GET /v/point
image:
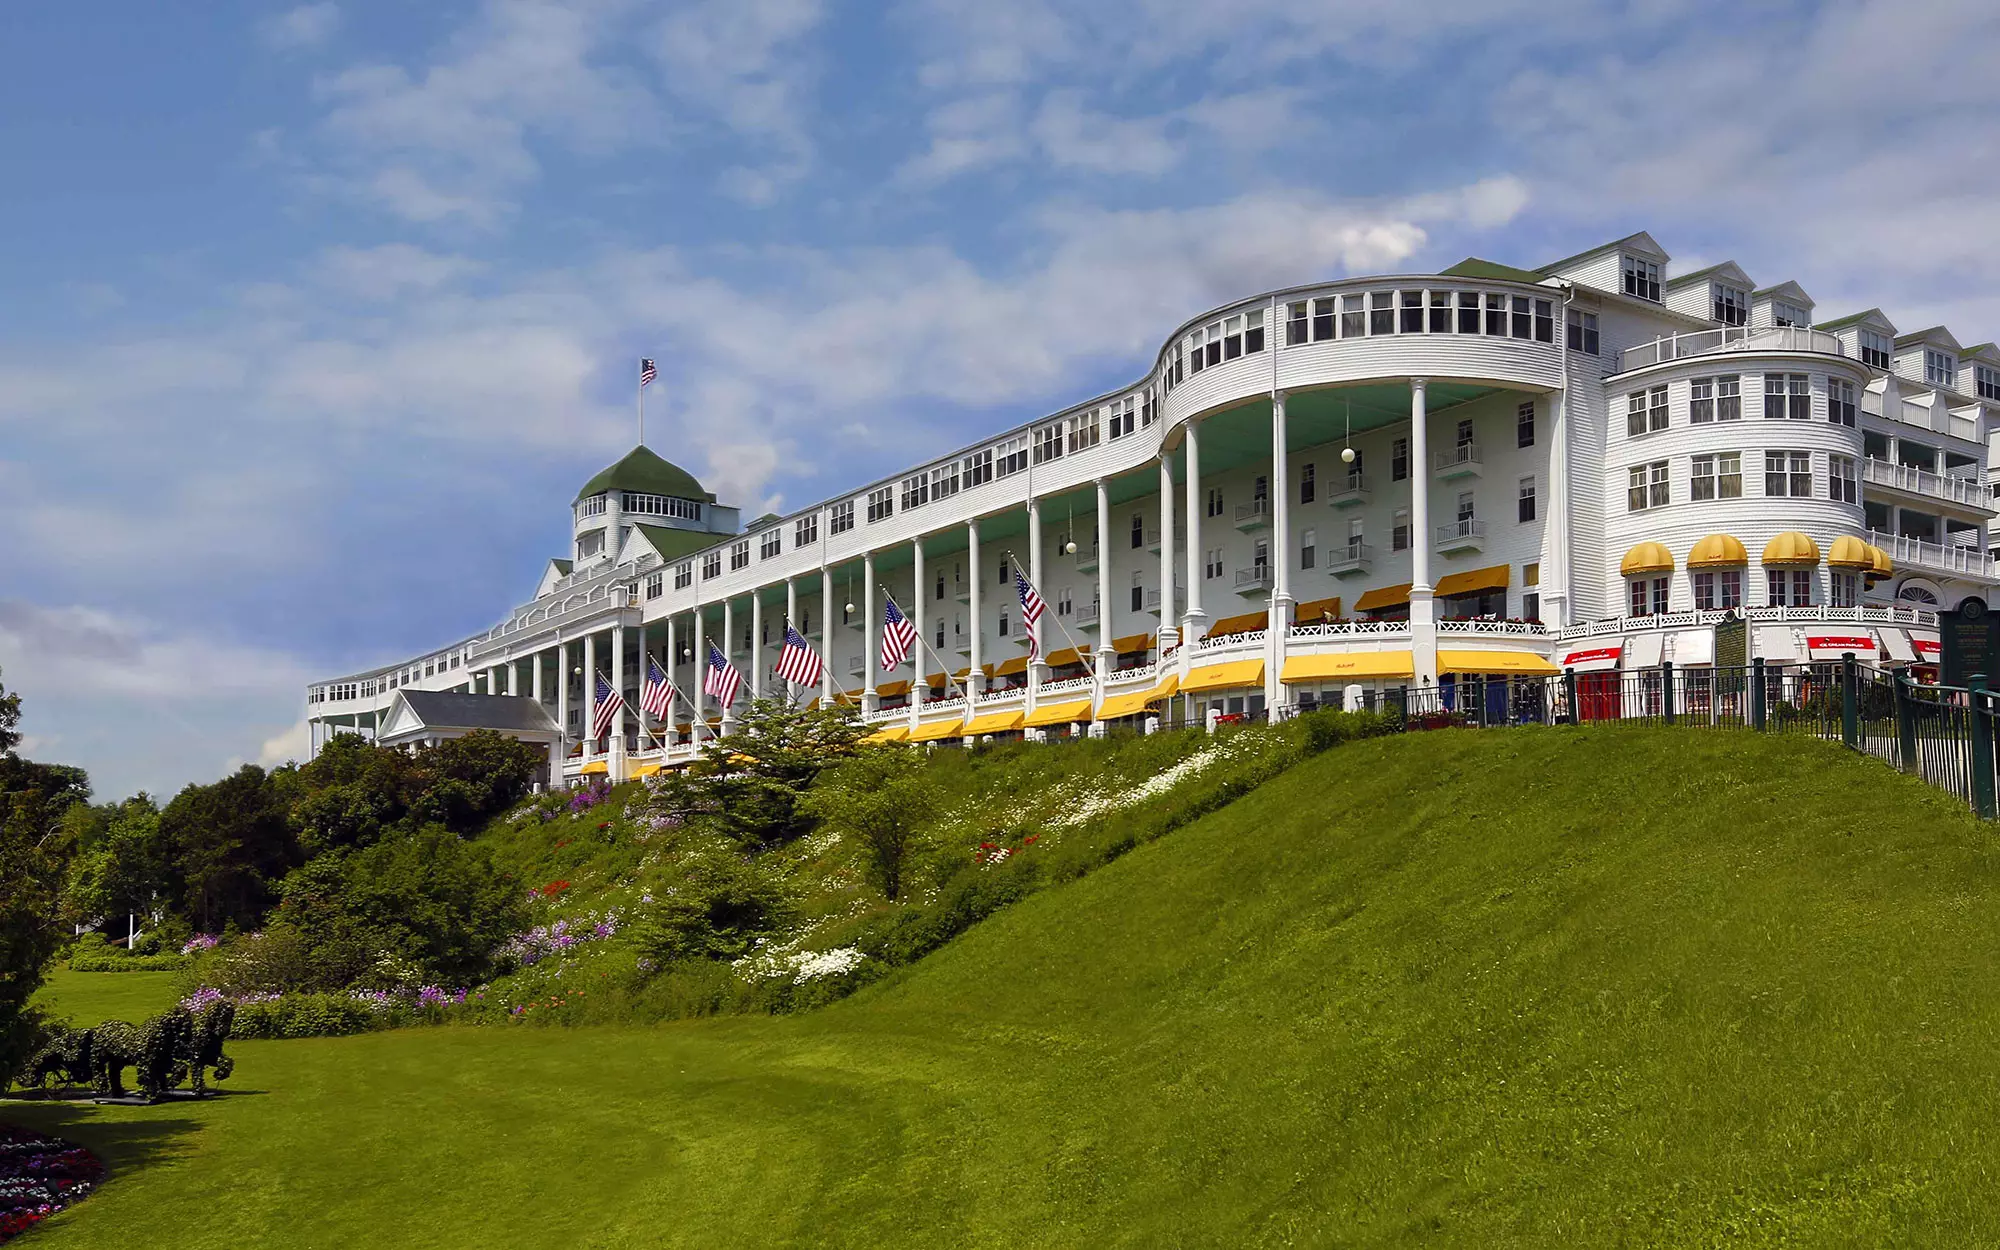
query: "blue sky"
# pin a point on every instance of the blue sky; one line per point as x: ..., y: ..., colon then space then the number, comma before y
x: 317, y: 315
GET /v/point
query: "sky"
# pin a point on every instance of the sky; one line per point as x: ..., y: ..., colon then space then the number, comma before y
x: 316, y: 316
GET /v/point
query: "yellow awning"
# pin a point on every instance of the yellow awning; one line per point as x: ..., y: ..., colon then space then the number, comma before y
x: 933, y: 731
x: 1383, y: 597
x: 1243, y: 623
x: 1717, y: 551
x: 1019, y: 664
x: 1879, y: 564
x: 1495, y: 662
x: 1342, y: 665
x: 889, y: 690
x: 991, y: 723
x: 1225, y: 676
x: 1133, y: 702
x: 1314, y: 611
x: 1791, y: 547
x: 1058, y: 714
x: 644, y: 770
x: 1647, y: 557
x: 1850, y: 552
x: 1068, y: 655
x: 595, y: 766
x: 888, y: 733
x: 1132, y: 642
x: 1472, y: 581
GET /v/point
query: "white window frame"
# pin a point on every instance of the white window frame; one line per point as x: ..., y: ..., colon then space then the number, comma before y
x: 841, y: 517
x: 1641, y: 277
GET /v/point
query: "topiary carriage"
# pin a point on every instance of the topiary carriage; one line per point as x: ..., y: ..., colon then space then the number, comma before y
x: 173, y: 1047
x: 65, y: 1057
x: 150, y: 1049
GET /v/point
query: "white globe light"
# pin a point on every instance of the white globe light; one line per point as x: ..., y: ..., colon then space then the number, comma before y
x: 1070, y: 547
x: 850, y: 607
x: 1347, y: 455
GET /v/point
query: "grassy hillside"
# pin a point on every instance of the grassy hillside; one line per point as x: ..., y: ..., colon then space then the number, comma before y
x: 1523, y: 988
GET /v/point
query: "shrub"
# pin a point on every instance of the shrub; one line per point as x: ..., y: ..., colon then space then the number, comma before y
x: 307, y: 1015
x: 879, y: 799
x: 717, y: 911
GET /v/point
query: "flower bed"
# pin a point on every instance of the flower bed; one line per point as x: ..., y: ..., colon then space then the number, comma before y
x: 39, y: 1176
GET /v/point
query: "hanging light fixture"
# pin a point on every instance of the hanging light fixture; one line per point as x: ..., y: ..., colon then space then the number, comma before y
x: 1069, y: 547
x: 1347, y: 450
x: 850, y: 594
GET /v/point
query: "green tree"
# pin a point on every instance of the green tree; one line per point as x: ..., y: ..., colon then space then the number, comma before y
x: 119, y: 867
x: 228, y: 844
x: 351, y: 792
x: 749, y: 784
x: 878, y: 799
x: 721, y: 905
x: 465, y: 782
x: 34, y: 800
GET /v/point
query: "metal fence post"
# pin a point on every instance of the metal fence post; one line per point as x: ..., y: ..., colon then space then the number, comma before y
x: 1982, y: 746
x: 1667, y: 689
x: 1757, y: 693
x: 1850, y: 726
x: 1906, y: 723
x: 1569, y: 696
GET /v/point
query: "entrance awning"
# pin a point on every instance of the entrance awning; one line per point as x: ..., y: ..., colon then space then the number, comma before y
x: 1777, y: 644
x: 1644, y: 650
x: 1694, y: 646
x: 1834, y: 646
x: 1595, y: 657
x: 1897, y: 644
x: 937, y: 730
x: 1133, y: 702
x: 644, y: 770
x: 1058, y: 714
x: 1383, y: 597
x: 1929, y: 650
x: 1349, y: 665
x: 1495, y: 662
x: 1225, y: 676
x: 1242, y: 623
x: 1472, y: 582
x: 595, y: 768
x: 991, y: 723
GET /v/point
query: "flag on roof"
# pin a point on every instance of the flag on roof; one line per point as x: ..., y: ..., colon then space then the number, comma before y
x: 1031, y: 610
x: 798, y: 661
x: 898, y: 636
x: 722, y: 681
x: 656, y: 698
x: 606, y: 706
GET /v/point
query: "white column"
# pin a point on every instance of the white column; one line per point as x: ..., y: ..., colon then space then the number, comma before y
x: 589, y: 688
x: 673, y: 667
x: 791, y: 616
x: 618, y: 716
x: 1104, y: 652
x: 975, y: 680
x: 513, y: 673
x: 535, y: 677
x: 562, y: 696
x: 1281, y: 574
x: 638, y: 708
x: 729, y: 653
x: 920, y: 617
x: 1194, y: 618
x: 826, y: 637
x: 868, y: 631
x: 757, y: 643
x: 1557, y: 599
x: 1423, y: 615
x: 1170, y: 634
x: 696, y: 695
x: 1038, y: 668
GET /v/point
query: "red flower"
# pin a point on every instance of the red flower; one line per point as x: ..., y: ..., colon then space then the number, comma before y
x: 1030, y: 838
x: 554, y: 888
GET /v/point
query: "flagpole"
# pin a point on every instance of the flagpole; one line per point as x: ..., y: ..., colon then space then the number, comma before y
x: 642, y: 403
x: 950, y: 682
x: 1059, y: 625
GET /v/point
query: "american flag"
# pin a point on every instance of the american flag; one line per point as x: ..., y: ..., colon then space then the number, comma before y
x: 798, y: 661
x: 657, y: 697
x: 898, y: 636
x: 646, y: 372
x: 609, y: 701
x: 1031, y: 610
x: 722, y: 681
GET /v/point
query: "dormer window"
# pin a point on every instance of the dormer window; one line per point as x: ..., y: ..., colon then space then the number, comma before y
x: 1731, y: 304
x: 1875, y: 349
x: 1986, y: 381
x: 1642, y: 278
x: 1941, y: 369
x: 1783, y: 314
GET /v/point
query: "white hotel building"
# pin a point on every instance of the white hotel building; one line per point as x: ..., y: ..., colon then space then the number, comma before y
x: 1594, y: 465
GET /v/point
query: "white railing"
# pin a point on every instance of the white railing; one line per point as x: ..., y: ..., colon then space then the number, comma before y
x: 1351, y: 629
x: 1086, y: 617
x: 1730, y: 339
x: 1948, y: 487
x: 1349, y: 555
x: 1134, y: 676
x: 1067, y: 683
x: 571, y: 608
x: 1255, y: 510
x: 1348, y: 488
x: 1001, y: 696
x: 1455, y: 457
x: 1865, y: 614
x: 1968, y: 561
x: 1256, y: 577
x: 1469, y: 530
x: 1248, y: 638
x: 1495, y: 629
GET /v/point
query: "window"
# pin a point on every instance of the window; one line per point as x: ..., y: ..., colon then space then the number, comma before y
x: 1296, y: 323
x: 1783, y: 314
x: 1308, y: 483
x: 1522, y: 319
x: 1124, y: 417
x: 1399, y: 530
x: 1716, y: 475
x: 1545, y: 321
x: 1214, y: 506
x: 1524, y: 424
x: 1308, y: 548
x: 1049, y: 443
x: 739, y: 555
x: 1789, y: 588
x: 1138, y: 592
x: 1440, y: 322
x: 1840, y: 407
x: 1149, y: 408
x: 1465, y: 505
x: 593, y: 506
x: 842, y: 518
x: 590, y: 544
x: 805, y: 531
x: 1003, y: 622
x: 1214, y: 348
x: 916, y: 492
x: 1788, y: 474
x: 1583, y: 332
x: 1412, y: 321
x: 1496, y: 314
x: 1730, y: 305
x: 944, y: 481
x: 770, y: 544
x: 1786, y: 396
x: 1012, y: 456
x: 1525, y: 507
x: 1353, y: 320
x: 683, y: 575
x: 1648, y: 596
x: 1211, y: 563
x: 1843, y: 482
x: 1468, y: 312
x: 1843, y: 590
x: 1138, y: 530
x: 1253, y: 331
x: 1642, y: 278
x: 1531, y: 606
x: 1232, y: 338
x: 1701, y: 401
x: 1465, y: 433
x: 1875, y: 349
x: 711, y: 565
x: 1382, y: 312
x: 1399, y: 460
x: 1196, y: 359
x: 1065, y: 601
x: 1718, y: 590
x: 976, y: 469
x: 881, y: 504
x: 1004, y: 577
x: 1646, y: 486
x: 1646, y: 411
x: 1083, y: 430
x: 1986, y: 381
x: 1941, y: 369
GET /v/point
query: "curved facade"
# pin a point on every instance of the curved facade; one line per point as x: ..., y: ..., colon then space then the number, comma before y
x: 1373, y: 482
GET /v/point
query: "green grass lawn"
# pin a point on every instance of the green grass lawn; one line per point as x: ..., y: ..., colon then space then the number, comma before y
x: 1524, y: 988
x: 93, y: 997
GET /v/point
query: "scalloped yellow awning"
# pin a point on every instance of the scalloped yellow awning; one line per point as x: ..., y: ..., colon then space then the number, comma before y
x: 1791, y: 547
x: 1879, y: 564
x: 1718, y: 551
x: 1849, y: 552
x: 1648, y: 557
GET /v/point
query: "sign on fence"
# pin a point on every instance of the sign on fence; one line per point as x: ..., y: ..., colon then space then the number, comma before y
x: 1970, y: 634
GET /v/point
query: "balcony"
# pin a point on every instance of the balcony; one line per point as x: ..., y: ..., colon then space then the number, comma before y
x: 1457, y: 462
x: 1086, y: 616
x: 1086, y: 557
x: 1354, y: 559
x: 1950, y: 559
x: 1912, y: 484
x: 856, y: 665
x: 1153, y: 541
x: 1253, y: 516
x: 1153, y: 600
x: 1255, y: 580
x: 1730, y: 339
x: 1349, y: 492
x: 962, y: 592
x: 1461, y: 536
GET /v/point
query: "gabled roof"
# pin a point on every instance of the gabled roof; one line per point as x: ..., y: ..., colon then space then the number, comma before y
x: 1874, y: 315
x: 769, y: 518
x: 643, y: 470
x: 1790, y: 292
x: 1641, y: 243
x: 1473, y: 267
x: 1728, y: 271
x: 1930, y: 334
x: 451, y: 709
x: 1985, y: 351
x: 562, y: 566
x: 671, y: 544
x: 552, y: 572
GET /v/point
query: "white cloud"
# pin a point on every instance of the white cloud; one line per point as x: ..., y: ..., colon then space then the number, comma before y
x: 294, y: 743
x: 1075, y: 136
x: 306, y: 26
x: 383, y: 272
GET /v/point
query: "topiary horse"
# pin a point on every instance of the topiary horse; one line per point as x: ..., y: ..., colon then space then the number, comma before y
x: 66, y: 1055
x: 150, y: 1049
x: 201, y: 1047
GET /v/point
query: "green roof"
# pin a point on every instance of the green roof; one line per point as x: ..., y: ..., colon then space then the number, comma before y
x: 1587, y: 253
x: 672, y: 544
x: 769, y: 518
x: 1850, y: 319
x: 643, y: 470
x: 1923, y: 335
x: 1473, y: 267
x: 562, y: 566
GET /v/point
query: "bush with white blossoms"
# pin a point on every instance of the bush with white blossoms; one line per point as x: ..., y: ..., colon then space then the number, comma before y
x: 784, y: 963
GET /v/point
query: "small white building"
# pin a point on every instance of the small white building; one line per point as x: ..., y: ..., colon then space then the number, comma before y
x: 428, y: 717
